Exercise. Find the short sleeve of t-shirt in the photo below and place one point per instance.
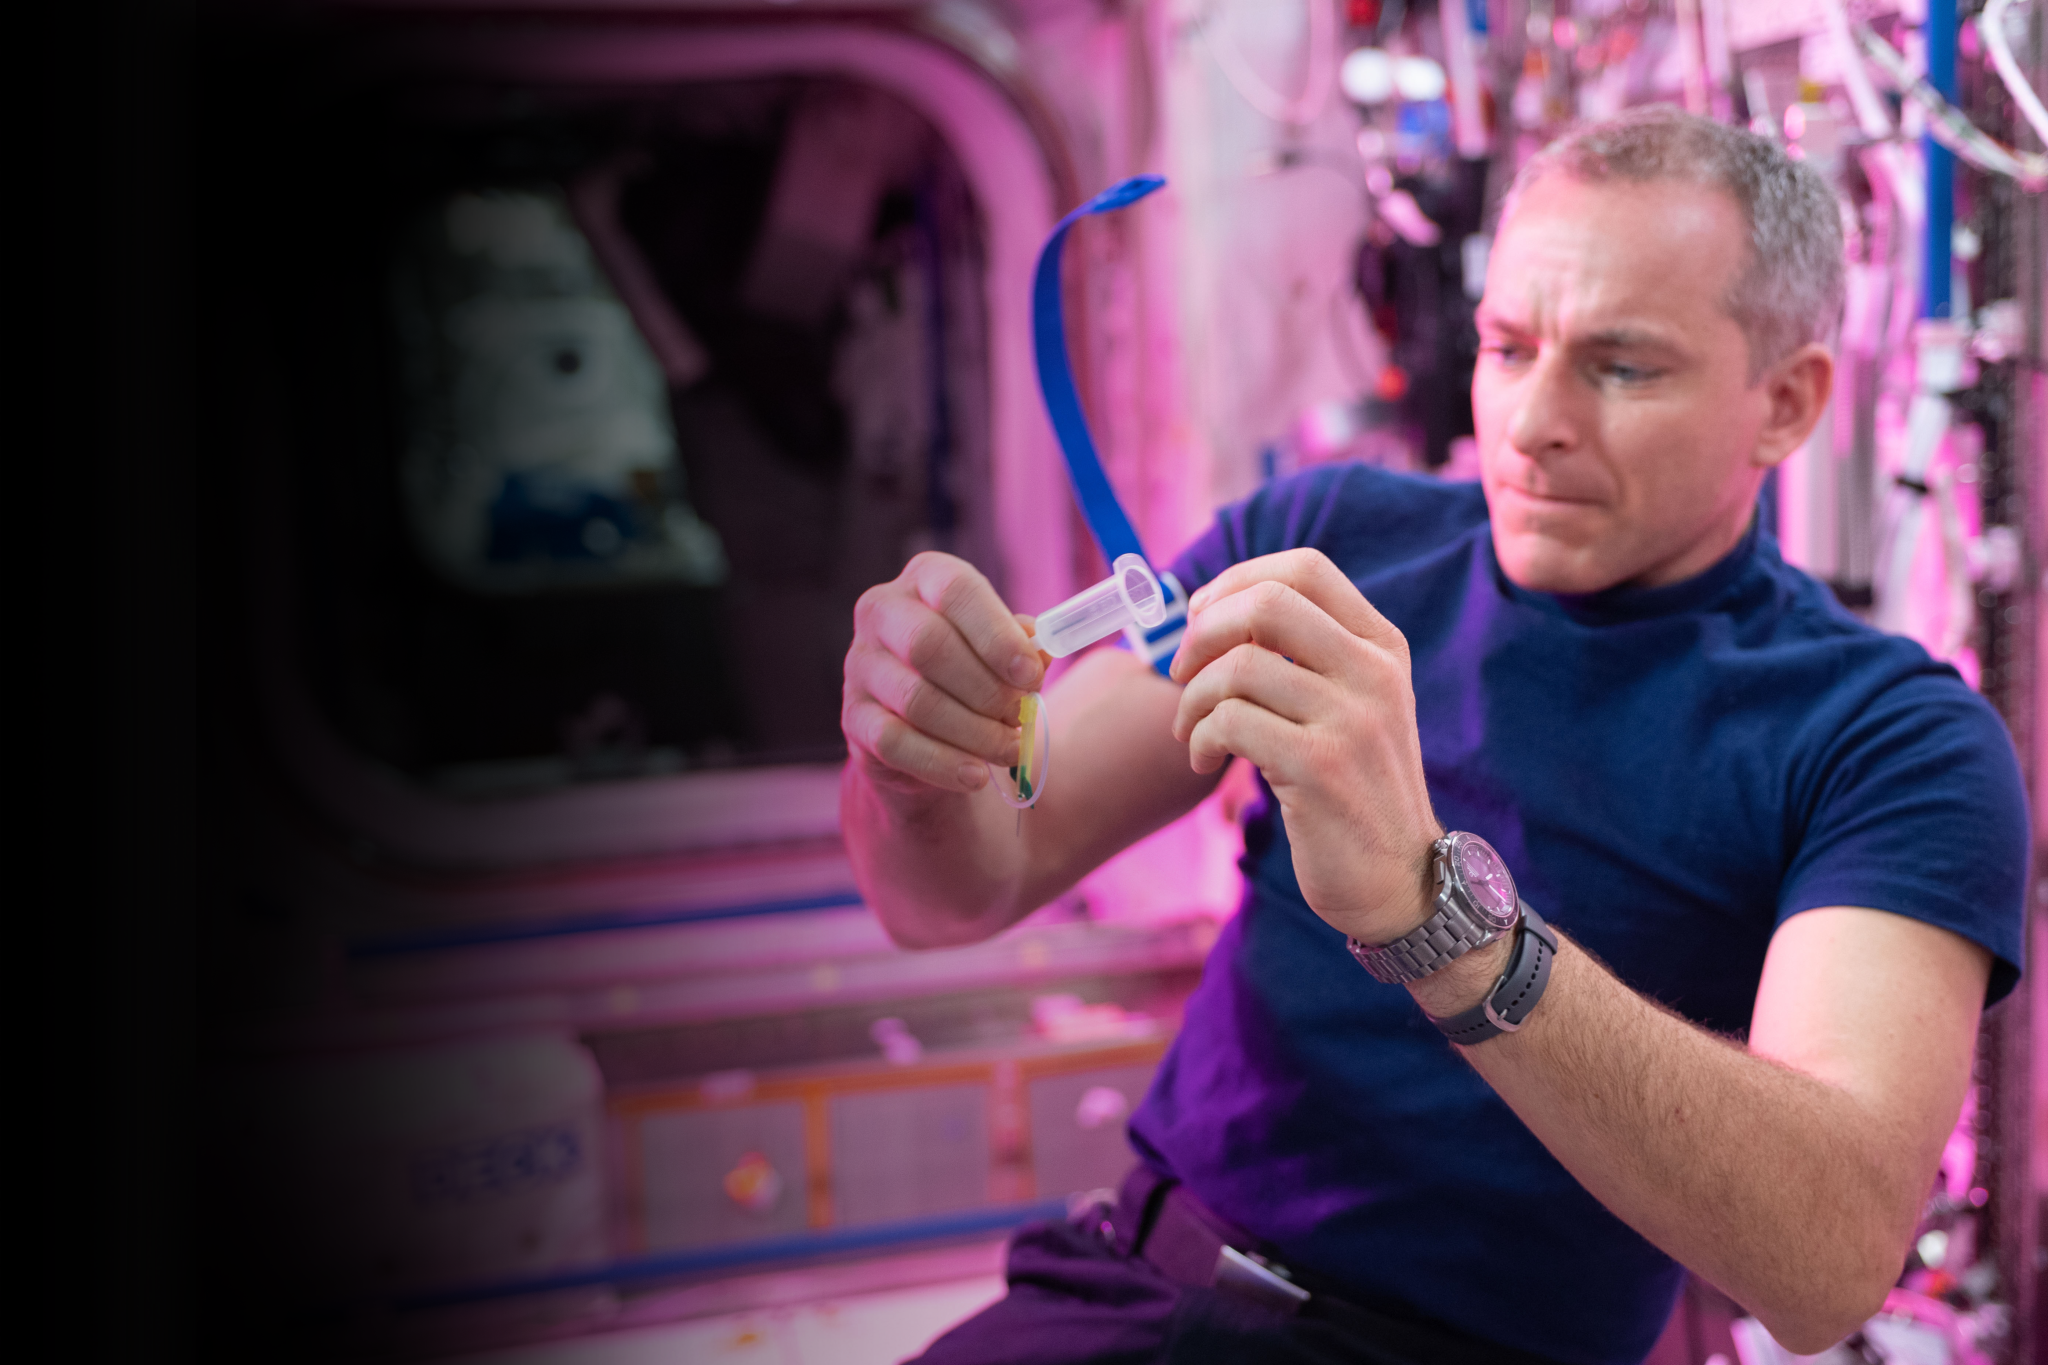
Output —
(1914, 805)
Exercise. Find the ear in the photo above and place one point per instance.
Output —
(1796, 392)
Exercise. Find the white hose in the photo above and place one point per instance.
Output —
(1926, 423)
(1870, 111)
(1938, 364)
(1896, 175)
(1299, 110)
(1991, 23)
(1947, 124)
(1961, 613)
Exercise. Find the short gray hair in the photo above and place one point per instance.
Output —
(1790, 292)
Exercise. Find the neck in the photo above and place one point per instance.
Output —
(1709, 549)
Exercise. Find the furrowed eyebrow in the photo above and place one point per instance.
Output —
(1488, 318)
(1629, 338)
(1620, 338)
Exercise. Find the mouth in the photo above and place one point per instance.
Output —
(1545, 500)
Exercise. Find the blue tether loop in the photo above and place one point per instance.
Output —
(1114, 534)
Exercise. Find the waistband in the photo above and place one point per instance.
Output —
(1157, 1219)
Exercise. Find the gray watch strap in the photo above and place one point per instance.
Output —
(1508, 1005)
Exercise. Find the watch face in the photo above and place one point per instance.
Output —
(1485, 879)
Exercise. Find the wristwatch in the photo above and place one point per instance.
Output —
(1476, 903)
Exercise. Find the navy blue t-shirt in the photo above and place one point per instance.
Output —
(1670, 773)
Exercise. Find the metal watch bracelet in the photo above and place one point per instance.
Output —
(1441, 940)
(1514, 997)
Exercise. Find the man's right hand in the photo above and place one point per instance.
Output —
(934, 678)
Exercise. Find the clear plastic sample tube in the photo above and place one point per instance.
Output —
(1130, 596)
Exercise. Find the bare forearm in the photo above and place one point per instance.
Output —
(928, 861)
(945, 867)
(1792, 1194)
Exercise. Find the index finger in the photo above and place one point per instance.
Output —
(1310, 573)
(959, 592)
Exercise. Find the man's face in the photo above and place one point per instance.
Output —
(1618, 430)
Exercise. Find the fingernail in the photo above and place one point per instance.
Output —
(972, 775)
(1023, 671)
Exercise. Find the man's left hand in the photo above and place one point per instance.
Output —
(1286, 665)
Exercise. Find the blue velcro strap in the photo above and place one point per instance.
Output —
(1114, 534)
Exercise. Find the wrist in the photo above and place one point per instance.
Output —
(1479, 964)
(1474, 905)
(1402, 913)
(1460, 985)
(879, 798)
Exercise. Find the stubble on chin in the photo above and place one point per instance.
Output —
(1542, 563)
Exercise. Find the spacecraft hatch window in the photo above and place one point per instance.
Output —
(670, 376)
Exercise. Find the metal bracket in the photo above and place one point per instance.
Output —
(1241, 1275)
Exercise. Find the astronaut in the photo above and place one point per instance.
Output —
(1617, 904)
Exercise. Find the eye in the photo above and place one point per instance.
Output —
(1629, 374)
(568, 360)
(1509, 352)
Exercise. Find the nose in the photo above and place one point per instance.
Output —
(1545, 420)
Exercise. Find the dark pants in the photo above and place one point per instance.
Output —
(1085, 1292)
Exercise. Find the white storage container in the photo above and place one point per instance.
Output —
(437, 1166)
